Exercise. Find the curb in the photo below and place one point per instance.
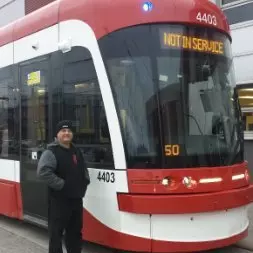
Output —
(246, 243)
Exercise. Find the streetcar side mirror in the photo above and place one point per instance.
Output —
(217, 126)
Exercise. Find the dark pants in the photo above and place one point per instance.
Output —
(65, 215)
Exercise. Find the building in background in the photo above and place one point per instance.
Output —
(11, 10)
(32, 5)
(240, 16)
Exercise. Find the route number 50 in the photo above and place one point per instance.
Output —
(207, 18)
(172, 150)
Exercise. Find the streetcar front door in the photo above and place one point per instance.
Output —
(34, 78)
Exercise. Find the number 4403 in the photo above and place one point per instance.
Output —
(108, 177)
(207, 18)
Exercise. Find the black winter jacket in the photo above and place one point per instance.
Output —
(64, 171)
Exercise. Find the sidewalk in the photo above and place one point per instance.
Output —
(247, 243)
(21, 237)
(11, 243)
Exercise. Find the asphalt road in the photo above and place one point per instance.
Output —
(18, 237)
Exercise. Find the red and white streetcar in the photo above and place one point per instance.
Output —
(150, 88)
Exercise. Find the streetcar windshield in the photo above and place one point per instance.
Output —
(174, 91)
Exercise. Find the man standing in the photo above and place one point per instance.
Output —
(63, 168)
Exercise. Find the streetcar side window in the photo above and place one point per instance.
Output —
(78, 98)
(9, 114)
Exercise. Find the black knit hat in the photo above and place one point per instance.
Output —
(62, 125)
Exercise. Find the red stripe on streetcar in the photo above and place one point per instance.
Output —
(188, 203)
(10, 199)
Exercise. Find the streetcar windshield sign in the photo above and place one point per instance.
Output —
(33, 78)
(175, 40)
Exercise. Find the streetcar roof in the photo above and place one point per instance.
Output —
(105, 16)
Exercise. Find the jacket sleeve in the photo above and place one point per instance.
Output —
(46, 170)
(86, 172)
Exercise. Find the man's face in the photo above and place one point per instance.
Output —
(65, 135)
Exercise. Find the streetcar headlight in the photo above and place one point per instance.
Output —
(189, 183)
(165, 181)
(147, 6)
